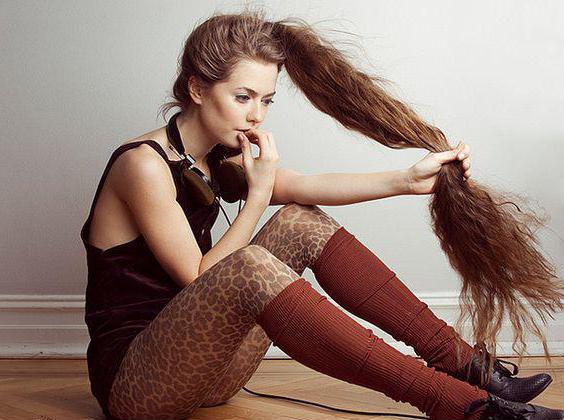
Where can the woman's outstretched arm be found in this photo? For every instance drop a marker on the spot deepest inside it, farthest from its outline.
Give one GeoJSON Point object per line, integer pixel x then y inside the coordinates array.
{"type": "Point", "coordinates": [336, 189]}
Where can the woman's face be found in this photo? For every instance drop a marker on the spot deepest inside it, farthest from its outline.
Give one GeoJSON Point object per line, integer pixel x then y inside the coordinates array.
{"type": "Point", "coordinates": [228, 106]}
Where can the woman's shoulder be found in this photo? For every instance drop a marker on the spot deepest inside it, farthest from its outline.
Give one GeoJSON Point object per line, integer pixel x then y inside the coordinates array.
{"type": "Point", "coordinates": [141, 161]}
{"type": "Point", "coordinates": [159, 137]}
{"type": "Point", "coordinates": [139, 164]}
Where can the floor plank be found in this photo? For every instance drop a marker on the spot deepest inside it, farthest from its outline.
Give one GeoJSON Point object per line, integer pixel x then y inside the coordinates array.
{"type": "Point", "coordinates": [58, 389]}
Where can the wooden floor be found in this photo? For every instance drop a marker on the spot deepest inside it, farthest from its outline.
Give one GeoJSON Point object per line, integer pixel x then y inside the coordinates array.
{"type": "Point", "coordinates": [49, 389]}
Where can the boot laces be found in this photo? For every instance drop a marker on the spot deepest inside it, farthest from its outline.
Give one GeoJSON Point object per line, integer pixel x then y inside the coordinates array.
{"type": "Point", "coordinates": [504, 369]}
{"type": "Point", "coordinates": [480, 348]}
{"type": "Point", "coordinates": [499, 406]}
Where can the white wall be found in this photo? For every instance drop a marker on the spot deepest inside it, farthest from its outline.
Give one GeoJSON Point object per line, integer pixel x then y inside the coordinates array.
{"type": "Point", "coordinates": [79, 78]}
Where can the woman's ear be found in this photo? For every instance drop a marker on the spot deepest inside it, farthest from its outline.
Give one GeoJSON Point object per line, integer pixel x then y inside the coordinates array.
{"type": "Point", "coordinates": [196, 89]}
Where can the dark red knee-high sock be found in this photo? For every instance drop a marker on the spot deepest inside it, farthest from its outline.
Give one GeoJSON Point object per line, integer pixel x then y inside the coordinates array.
{"type": "Point", "coordinates": [316, 333]}
{"type": "Point", "coordinates": [362, 284]}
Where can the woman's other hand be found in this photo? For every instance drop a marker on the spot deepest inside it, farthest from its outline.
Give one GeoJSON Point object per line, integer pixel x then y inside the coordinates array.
{"type": "Point", "coordinates": [260, 171]}
{"type": "Point", "coordinates": [423, 175]}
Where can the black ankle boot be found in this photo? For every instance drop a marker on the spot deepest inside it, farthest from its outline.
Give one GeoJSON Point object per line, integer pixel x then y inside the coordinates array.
{"type": "Point", "coordinates": [502, 383]}
{"type": "Point", "coordinates": [500, 409]}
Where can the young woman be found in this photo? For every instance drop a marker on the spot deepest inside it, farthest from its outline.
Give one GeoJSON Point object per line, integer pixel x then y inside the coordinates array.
{"type": "Point", "coordinates": [177, 324]}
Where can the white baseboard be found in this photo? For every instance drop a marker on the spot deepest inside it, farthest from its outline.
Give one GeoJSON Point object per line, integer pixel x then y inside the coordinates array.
{"type": "Point", "coordinates": [44, 326]}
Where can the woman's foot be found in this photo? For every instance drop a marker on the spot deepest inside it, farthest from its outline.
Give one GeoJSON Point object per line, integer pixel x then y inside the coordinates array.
{"type": "Point", "coordinates": [503, 384]}
{"type": "Point", "coordinates": [500, 409]}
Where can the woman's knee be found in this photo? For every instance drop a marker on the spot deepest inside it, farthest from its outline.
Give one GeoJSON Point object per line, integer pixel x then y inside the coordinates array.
{"type": "Point", "coordinates": [296, 234]}
{"type": "Point", "coordinates": [255, 267]}
{"type": "Point", "coordinates": [295, 219]}
{"type": "Point", "coordinates": [293, 210]}
{"type": "Point", "coordinates": [297, 210]}
{"type": "Point", "coordinates": [261, 262]}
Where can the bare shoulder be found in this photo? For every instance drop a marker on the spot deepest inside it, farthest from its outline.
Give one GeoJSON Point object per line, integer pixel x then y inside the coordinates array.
{"type": "Point", "coordinates": [141, 169]}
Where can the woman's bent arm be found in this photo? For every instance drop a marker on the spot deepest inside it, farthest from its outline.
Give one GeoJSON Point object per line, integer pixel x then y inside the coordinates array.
{"type": "Point", "coordinates": [238, 235]}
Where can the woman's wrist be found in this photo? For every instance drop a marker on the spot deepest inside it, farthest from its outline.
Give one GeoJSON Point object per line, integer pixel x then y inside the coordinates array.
{"type": "Point", "coordinates": [257, 200]}
{"type": "Point", "coordinates": [406, 184]}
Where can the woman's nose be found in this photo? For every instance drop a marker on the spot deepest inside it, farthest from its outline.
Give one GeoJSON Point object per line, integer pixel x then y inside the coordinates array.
{"type": "Point", "coordinates": [257, 114]}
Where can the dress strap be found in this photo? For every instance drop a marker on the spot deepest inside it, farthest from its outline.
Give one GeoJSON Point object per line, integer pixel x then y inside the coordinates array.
{"type": "Point", "coordinates": [155, 145]}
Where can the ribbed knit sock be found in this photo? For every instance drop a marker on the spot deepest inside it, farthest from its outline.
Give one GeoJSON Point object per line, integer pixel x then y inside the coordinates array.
{"type": "Point", "coordinates": [362, 284]}
{"type": "Point", "coordinates": [316, 333]}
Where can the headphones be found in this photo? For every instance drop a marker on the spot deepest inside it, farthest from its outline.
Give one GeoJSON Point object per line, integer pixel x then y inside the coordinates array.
{"type": "Point", "coordinates": [229, 181]}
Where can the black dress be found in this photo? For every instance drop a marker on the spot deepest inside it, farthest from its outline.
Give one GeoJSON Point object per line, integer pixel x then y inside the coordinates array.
{"type": "Point", "coordinates": [127, 287]}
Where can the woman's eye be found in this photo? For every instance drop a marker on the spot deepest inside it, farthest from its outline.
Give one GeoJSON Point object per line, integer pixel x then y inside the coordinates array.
{"type": "Point", "coordinates": [245, 97]}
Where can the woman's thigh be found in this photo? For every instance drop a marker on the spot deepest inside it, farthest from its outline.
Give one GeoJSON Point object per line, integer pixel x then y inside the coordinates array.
{"type": "Point", "coordinates": [172, 365]}
{"type": "Point", "coordinates": [242, 367]}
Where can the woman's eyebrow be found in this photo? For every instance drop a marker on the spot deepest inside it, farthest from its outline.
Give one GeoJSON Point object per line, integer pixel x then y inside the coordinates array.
{"type": "Point", "coordinates": [255, 92]}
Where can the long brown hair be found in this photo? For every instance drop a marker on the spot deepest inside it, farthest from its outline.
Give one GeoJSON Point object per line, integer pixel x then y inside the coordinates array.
{"type": "Point", "coordinates": [488, 238]}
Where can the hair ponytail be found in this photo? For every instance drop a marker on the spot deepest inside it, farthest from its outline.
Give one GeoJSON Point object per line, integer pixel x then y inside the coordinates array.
{"type": "Point", "coordinates": [487, 238]}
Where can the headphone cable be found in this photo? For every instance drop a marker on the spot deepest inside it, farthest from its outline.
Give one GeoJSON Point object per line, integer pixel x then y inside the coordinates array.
{"type": "Point", "coordinates": [342, 410]}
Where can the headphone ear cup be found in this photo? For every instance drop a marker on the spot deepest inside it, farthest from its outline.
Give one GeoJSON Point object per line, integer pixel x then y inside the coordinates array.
{"type": "Point", "coordinates": [232, 181]}
{"type": "Point", "coordinates": [198, 187]}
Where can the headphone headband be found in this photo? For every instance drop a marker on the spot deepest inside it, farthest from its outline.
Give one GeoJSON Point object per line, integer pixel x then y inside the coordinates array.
{"type": "Point", "coordinates": [173, 135]}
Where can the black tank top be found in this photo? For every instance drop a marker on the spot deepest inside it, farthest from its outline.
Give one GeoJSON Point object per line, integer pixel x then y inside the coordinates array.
{"type": "Point", "coordinates": [127, 287]}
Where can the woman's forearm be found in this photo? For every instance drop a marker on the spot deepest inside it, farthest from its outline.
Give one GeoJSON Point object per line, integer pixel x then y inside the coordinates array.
{"type": "Point", "coordinates": [335, 189]}
{"type": "Point", "coordinates": [237, 236]}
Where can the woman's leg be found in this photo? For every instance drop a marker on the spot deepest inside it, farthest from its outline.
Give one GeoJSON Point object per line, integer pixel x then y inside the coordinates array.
{"type": "Point", "coordinates": [242, 367]}
{"type": "Point", "coordinates": [305, 236]}
{"type": "Point", "coordinates": [301, 235]}
{"type": "Point", "coordinates": [174, 363]}
{"type": "Point", "coordinates": [314, 332]}
{"type": "Point", "coordinates": [365, 286]}
{"type": "Point", "coordinates": [296, 235]}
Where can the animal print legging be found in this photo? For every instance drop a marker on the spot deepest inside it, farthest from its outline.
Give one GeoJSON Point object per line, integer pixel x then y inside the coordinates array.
{"type": "Point", "coordinates": [205, 345]}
